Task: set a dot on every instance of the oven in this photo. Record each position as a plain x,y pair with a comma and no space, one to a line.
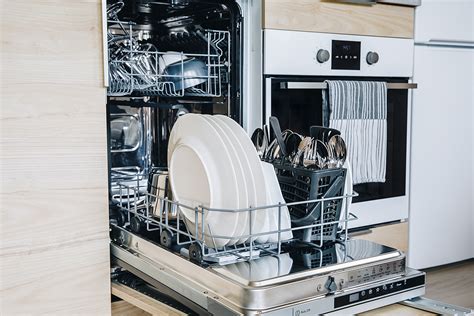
296,68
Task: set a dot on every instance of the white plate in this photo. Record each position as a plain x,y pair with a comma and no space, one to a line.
198,135
195,168
274,197
247,170
187,169
240,174
260,220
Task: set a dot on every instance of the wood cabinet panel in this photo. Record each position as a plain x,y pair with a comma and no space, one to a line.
331,17
61,279
54,245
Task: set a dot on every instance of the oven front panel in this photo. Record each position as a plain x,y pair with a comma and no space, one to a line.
295,61
320,54
298,109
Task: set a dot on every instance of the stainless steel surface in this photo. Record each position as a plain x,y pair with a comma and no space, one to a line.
317,155
337,151
323,85
303,146
187,74
276,296
126,132
130,142
309,155
322,154
447,43
411,3
437,307
260,140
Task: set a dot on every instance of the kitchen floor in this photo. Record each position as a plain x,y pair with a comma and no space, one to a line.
453,284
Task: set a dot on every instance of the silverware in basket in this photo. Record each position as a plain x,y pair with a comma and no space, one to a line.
337,151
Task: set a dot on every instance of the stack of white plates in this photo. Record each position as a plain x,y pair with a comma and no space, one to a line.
213,163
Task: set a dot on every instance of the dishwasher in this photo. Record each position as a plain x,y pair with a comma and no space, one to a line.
169,58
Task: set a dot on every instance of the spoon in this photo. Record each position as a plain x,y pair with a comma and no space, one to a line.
337,151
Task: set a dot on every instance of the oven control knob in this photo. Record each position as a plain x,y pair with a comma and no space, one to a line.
372,58
331,285
322,56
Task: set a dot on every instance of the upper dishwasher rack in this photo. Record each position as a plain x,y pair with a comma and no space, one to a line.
137,66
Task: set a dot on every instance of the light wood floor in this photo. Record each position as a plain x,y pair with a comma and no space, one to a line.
453,284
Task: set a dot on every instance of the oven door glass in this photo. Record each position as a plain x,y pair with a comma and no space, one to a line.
298,109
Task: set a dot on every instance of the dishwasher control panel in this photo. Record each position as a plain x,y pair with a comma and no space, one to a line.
379,290
375,272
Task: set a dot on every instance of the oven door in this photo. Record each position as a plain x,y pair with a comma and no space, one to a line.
297,103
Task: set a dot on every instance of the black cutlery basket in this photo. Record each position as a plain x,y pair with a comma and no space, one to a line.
300,184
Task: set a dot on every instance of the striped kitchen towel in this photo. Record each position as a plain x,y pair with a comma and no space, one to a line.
359,110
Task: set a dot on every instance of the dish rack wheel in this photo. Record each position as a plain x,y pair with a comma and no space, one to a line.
167,239
195,253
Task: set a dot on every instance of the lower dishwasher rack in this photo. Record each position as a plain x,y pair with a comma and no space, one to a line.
308,292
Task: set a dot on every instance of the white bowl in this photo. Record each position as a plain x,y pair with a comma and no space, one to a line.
170,58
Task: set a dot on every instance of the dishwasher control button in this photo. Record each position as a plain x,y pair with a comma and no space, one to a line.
331,285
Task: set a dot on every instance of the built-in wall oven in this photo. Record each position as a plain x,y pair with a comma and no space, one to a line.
296,67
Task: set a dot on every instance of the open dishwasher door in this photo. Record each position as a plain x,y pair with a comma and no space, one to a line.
347,278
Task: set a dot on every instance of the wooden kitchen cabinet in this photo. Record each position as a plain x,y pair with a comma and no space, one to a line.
344,18
54,251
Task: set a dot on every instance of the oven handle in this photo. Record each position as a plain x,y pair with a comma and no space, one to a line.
324,85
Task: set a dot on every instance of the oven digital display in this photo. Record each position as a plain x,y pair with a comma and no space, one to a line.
345,55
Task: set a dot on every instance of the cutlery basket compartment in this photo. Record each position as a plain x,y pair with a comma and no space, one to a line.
301,184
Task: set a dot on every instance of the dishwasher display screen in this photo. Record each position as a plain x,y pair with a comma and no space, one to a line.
345,55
